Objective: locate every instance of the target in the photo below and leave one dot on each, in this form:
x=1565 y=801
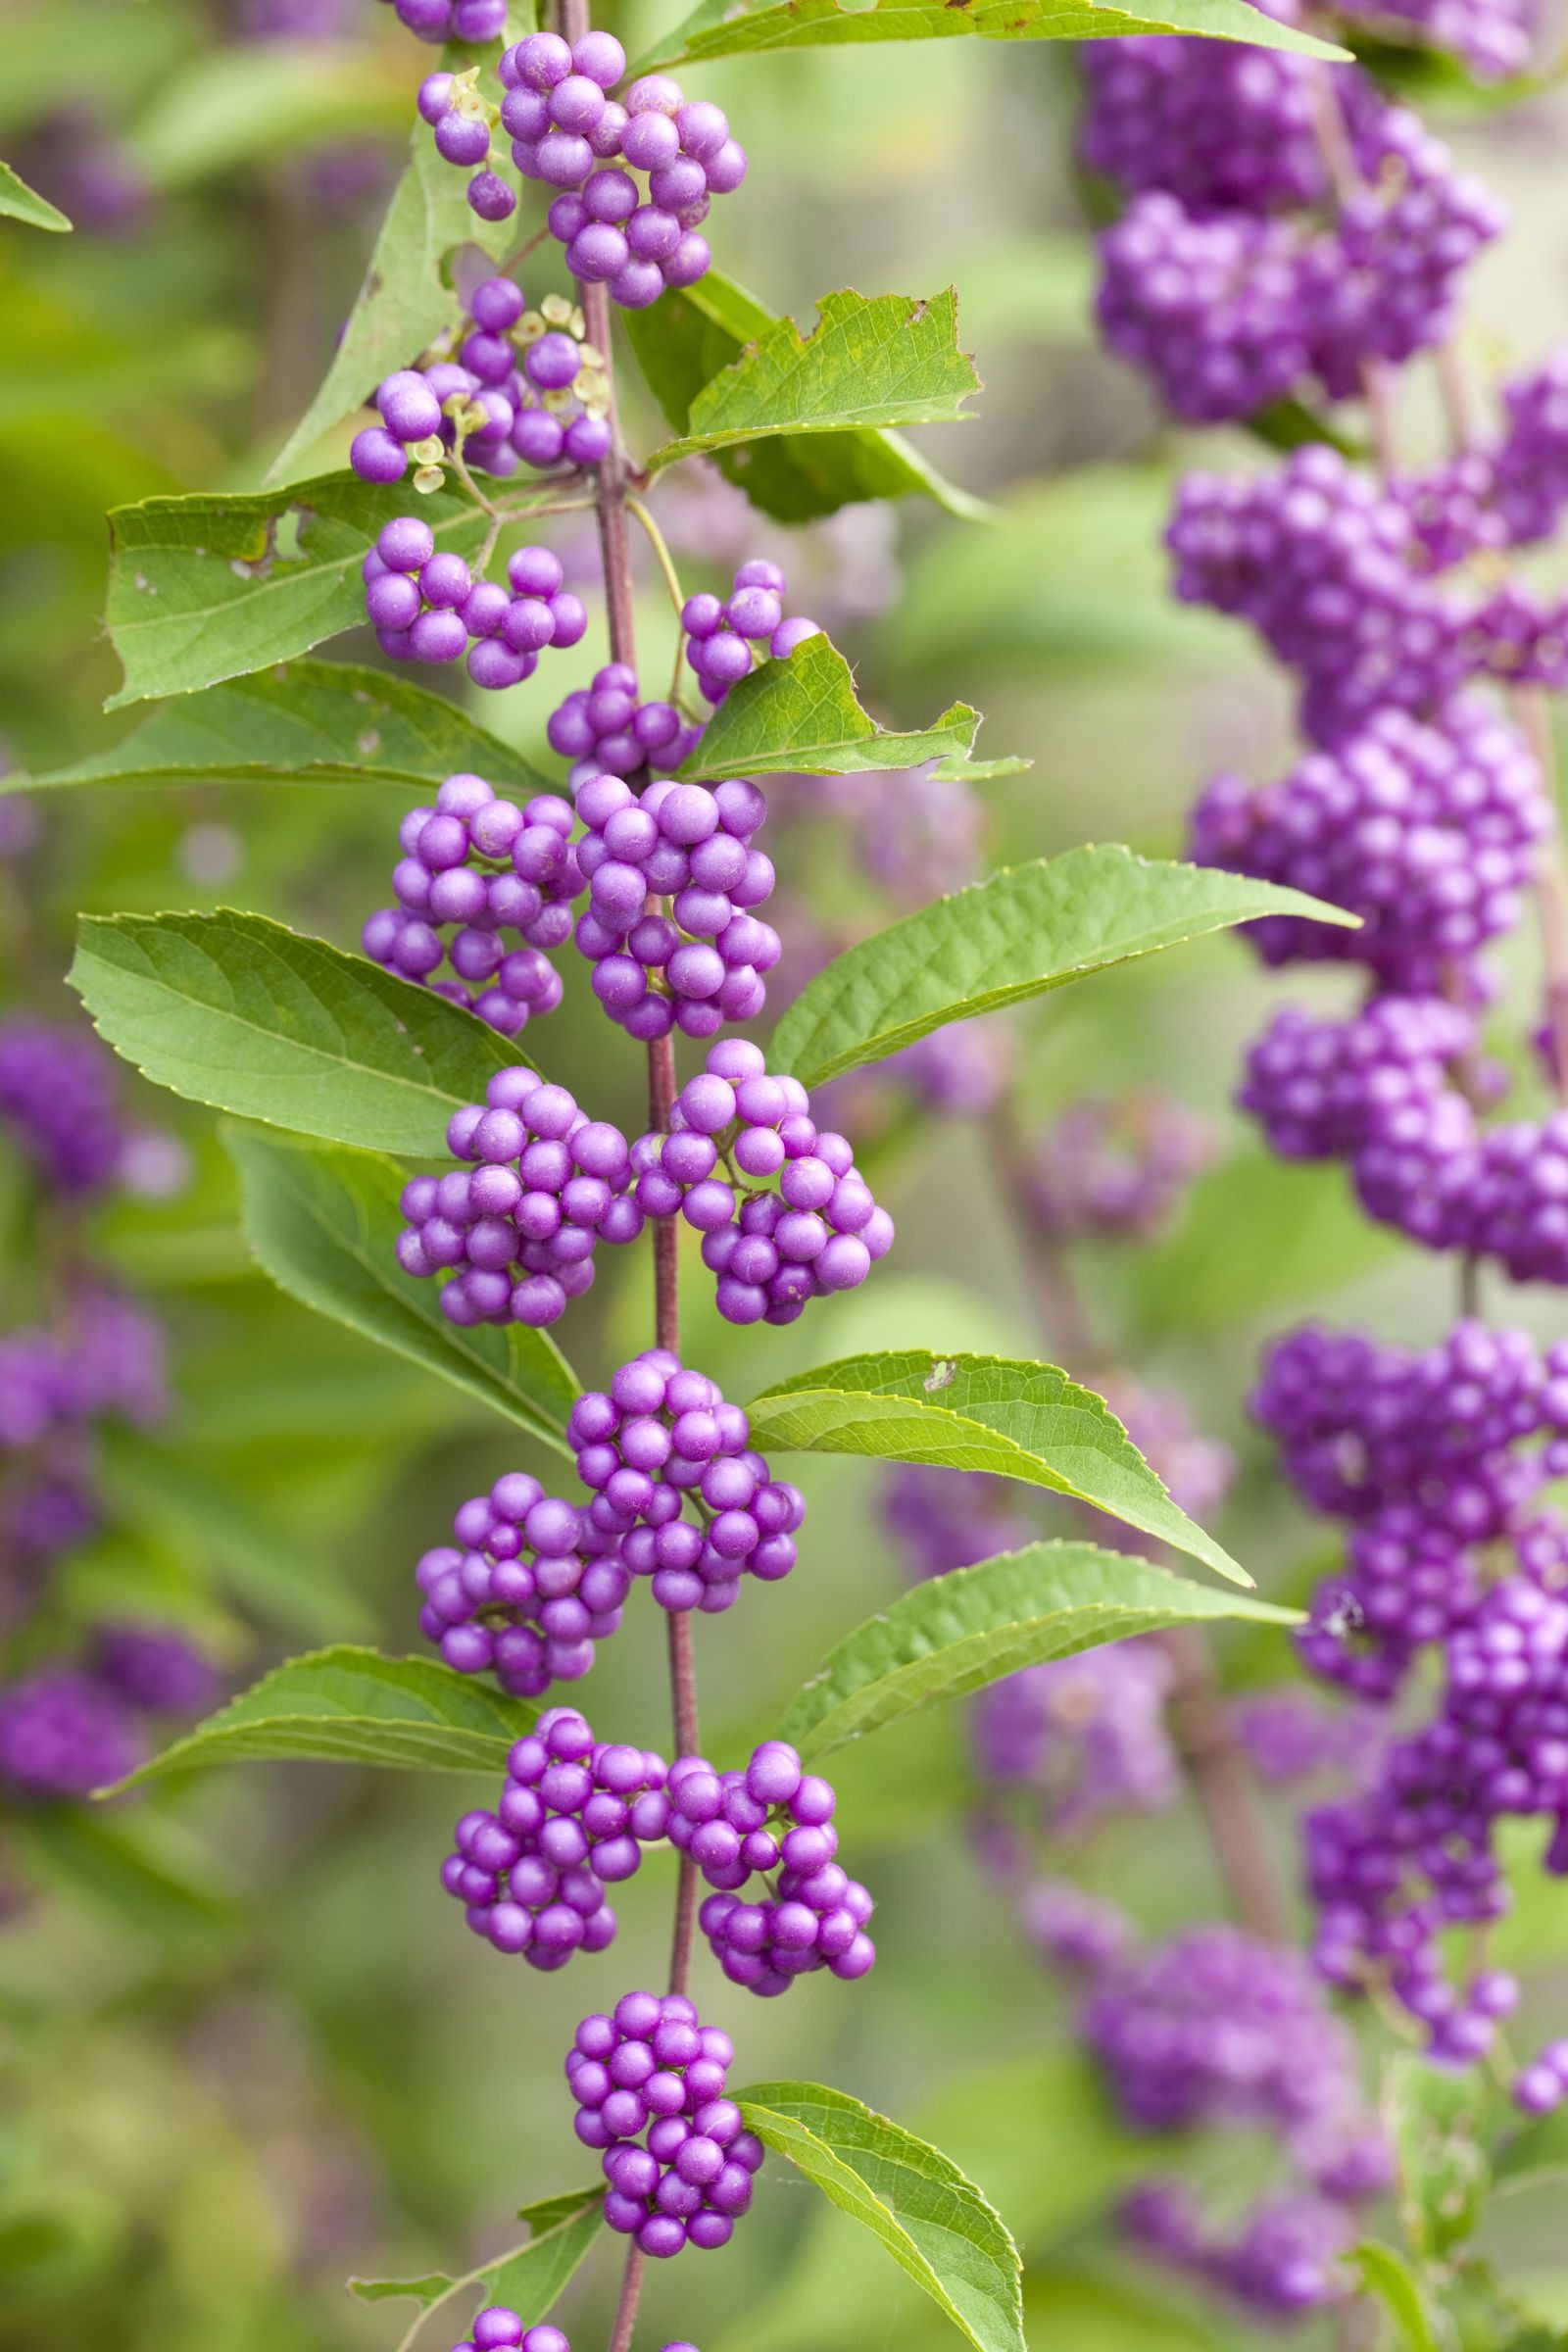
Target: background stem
x=1216 y=1764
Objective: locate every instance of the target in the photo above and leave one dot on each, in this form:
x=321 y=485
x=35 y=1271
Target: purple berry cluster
x=525 y=1591
x=1434 y=1456
x=1395 y=1093
x=483 y=865
x=498 y=2329
x=1088 y=1733
x=461 y=122
x=1216 y=281
x=960 y=1071
x=1283 y=2260
x=512 y=386
x=1396 y=1866
x=1429 y=834
x=1217 y=2028
x=723 y=634
x=571 y=1821
x=649 y=2081
x=1529 y=468
x=1210 y=307
x=635 y=241
x=1363 y=1424
x=1438 y=1458
x=453 y=19
x=770 y=1817
x=1234 y=131
x=1328 y=568
x=516 y=1237
x=1387 y=284
x=1073 y=1932
x=1293 y=1734
x=67 y=1730
x=1424 y=812
x=661 y=1433
x=62 y=1732
x=155 y=1667
x=109 y=1361
x=701 y=963
x=426 y=606
x=568 y=133
x=945 y=1519
x=1373 y=1091
x=1115 y=1168
x=57 y=1101
x=106 y=1361
x=1341 y=576
x=606 y=729
x=821 y=1231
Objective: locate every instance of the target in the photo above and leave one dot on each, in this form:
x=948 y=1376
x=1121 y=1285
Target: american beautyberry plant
x=423 y=1155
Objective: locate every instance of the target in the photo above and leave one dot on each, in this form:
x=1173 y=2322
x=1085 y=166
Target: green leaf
x=240 y=102
x=543 y=2213
x=1043 y=2131
x=1021 y=931
x=408 y=296
x=802 y=714
x=432 y=2287
x=286 y=1582
x=933 y=2220
x=304 y=722
x=238 y=1011
x=1433 y=2120
x=1258 y=1233
x=354 y=1706
x=1071 y=585
x=18 y=201
x=698 y=333
x=529 y=2279
x=871 y=361
x=954 y=1633
x=204 y=588
x=47 y=2257
x=980 y=1413
x=1412 y=68
x=323 y=1221
x=1387 y=2275
x=718 y=28
x=1534 y=2156
x=148 y=1872
x=1288 y=424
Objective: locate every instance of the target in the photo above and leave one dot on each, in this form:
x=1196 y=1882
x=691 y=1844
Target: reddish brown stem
x=1344 y=179
x=1060 y=1306
x=631 y=2287
x=1222 y=1783
x=1221 y=1780
x=614 y=552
